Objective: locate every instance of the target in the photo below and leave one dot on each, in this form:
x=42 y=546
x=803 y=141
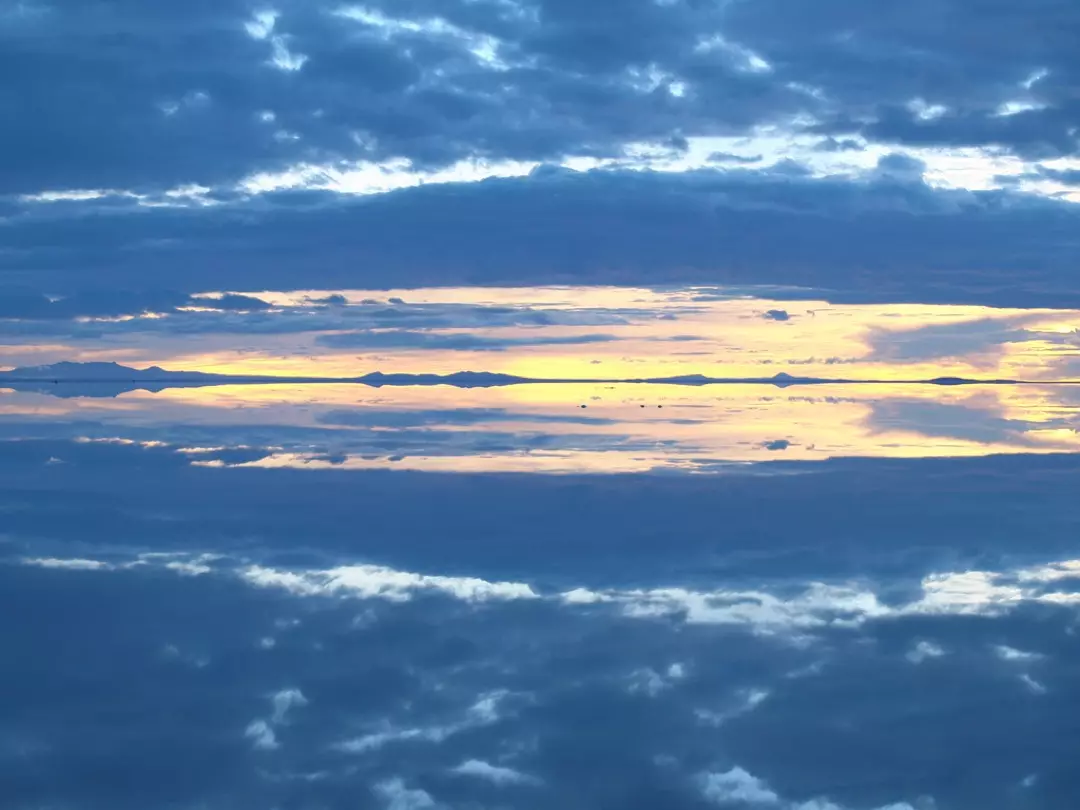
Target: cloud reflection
x=557 y=428
x=555 y=332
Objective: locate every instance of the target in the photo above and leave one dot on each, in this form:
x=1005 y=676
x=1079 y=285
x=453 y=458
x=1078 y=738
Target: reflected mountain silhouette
x=72 y=379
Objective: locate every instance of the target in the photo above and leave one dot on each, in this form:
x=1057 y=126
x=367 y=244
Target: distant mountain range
x=69 y=379
x=110 y=379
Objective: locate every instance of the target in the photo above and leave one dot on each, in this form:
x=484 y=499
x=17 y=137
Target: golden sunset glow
x=606 y=333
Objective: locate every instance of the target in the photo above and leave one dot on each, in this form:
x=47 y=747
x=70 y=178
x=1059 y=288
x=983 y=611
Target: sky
x=904 y=150
x=699 y=425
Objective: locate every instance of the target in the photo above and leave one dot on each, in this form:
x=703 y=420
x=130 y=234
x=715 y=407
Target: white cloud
x=1052 y=572
x=493 y=773
x=970 y=593
x=485 y=48
x=261 y=732
x=1033 y=685
x=261 y=25
x=376 y=740
x=378 y=582
x=368 y=177
x=69 y=564
x=1034 y=78
x=749 y=699
x=583 y=596
x=736 y=785
x=284 y=59
x=818 y=606
x=973 y=168
x=648 y=681
x=400 y=797
x=652 y=683
x=1006 y=653
x=739 y=786
x=926 y=112
x=72 y=195
x=184 y=564
x=189 y=569
x=486 y=709
x=261 y=735
x=745 y=59
x=924 y=650
x=285 y=700
x=482 y=713
x=1017 y=106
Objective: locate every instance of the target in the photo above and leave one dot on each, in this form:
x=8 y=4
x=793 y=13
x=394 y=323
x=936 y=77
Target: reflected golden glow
x=544 y=428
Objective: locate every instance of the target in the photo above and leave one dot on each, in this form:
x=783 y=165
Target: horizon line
x=22 y=376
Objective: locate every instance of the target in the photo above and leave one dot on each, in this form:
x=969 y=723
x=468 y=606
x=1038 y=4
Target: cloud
x=70 y=564
x=739 y=787
x=1006 y=653
x=372 y=417
x=399 y=797
x=484 y=712
x=648 y=681
x=954 y=421
x=981 y=338
x=728 y=157
x=776 y=315
x=261 y=735
x=284 y=701
x=924 y=651
x=379 y=582
x=405 y=339
x=777 y=445
x=275 y=91
x=873 y=238
x=492 y=773
x=746 y=701
x=736 y=785
x=231 y=302
x=844 y=695
x=373 y=324
x=1034 y=686
x=30 y=305
x=831 y=144
x=531 y=82
x=261 y=731
x=824 y=605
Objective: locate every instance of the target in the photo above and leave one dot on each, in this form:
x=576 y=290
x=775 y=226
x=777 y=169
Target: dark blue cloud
x=166 y=670
x=776 y=315
x=110 y=96
x=727 y=157
x=862 y=58
x=954 y=421
x=461 y=416
x=405 y=339
x=888 y=237
x=839 y=145
x=23 y=303
x=978 y=338
x=124 y=95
